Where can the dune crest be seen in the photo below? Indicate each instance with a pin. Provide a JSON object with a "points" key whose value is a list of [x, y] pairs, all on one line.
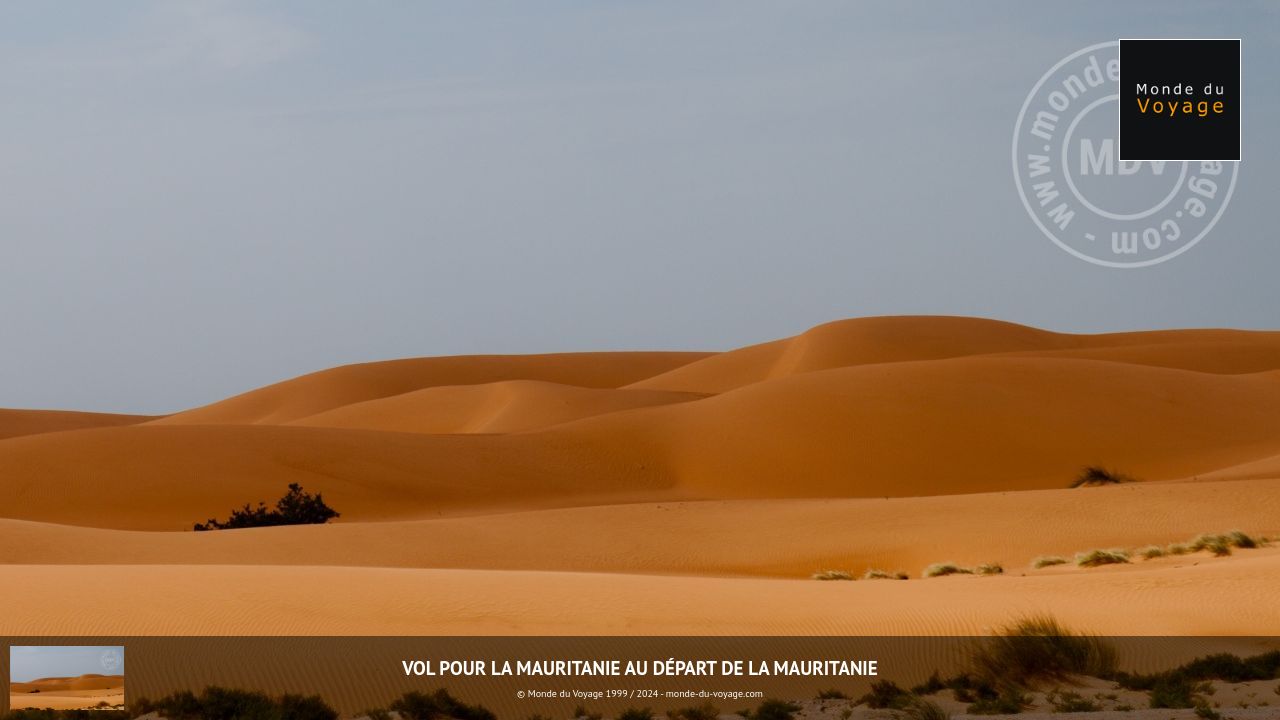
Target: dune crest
{"points": [[673, 492], [501, 407]]}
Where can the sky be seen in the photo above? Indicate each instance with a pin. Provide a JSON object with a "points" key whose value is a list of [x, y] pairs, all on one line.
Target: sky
{"points": [[34, 662], [200, 198]]}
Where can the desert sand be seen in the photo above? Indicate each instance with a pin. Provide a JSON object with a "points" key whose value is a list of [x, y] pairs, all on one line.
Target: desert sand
{"points": [[69, 693], [673, 493]]}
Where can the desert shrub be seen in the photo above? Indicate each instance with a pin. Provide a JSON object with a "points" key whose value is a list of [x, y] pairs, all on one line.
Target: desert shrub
{"points": [[1045, 561], [695, 712], [1095, 475], [1221, 666], [1207, 713], [376, 714], [305, 707], [926, 710], [775, 710], [1178, 549], [1039, 648], [437, 706], [990, 569], [1173, 691], [582, 713], [946, 568], [1219, 545], [295, 508], [876, 574], [934, 684], [1065, 701], [1151, 552], [832, 694], [886, 694], [636, 714], [224, 704], [1096, 558], [1242, 540], [1009, 702], [832, 575]]}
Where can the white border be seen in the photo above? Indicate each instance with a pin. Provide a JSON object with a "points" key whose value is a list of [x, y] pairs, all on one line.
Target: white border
{"points": [[1239, 63]]}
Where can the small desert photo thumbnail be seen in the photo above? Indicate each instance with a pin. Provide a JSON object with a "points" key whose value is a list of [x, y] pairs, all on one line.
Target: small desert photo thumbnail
{"points": [[66, 677]]}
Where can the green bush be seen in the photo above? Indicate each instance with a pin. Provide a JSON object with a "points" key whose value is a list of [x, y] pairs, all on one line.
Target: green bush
{"points": [[876, 574], [1045, 561], [886, 694], [295, 508], [1039, 648], [943, 569], [1173, 691], [1094, 475], [1151, 552], [1097, 558], [1009, 702], [926, 710]]}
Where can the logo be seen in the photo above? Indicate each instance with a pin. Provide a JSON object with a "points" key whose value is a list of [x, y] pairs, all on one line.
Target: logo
{"points": [[111, 660], [1107, 211]]}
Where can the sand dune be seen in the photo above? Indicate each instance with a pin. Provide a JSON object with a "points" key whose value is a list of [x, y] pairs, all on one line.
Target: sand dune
{"points": [[230, 600], [70, 684], [329, 389], [177, 475], [68, 693], [866, 341], [942, 427], [673, 492], [502, 407], [712, 538], [17, 423]]}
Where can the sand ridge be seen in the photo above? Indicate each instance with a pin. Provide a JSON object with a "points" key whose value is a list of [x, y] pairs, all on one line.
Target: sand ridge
{"points": [[68, 693], [599, 492]]}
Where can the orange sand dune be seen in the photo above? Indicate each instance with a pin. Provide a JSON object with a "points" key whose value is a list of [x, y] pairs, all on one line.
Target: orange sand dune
{"points": [[963, 425], [228, 600], [174, 475], [503, 407], [1258, 353], [865, 341], [70, 684], [943, 427], [720, 538], [652, 493], [16, 423], [68, 693], [328, 389]]}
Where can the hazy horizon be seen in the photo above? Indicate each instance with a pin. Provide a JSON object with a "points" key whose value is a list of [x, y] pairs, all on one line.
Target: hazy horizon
{"points": [[36, 662], [207, 197]]}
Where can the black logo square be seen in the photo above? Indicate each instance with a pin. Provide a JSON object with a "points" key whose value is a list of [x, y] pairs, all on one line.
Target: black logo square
{"points": [[1180, 99]]}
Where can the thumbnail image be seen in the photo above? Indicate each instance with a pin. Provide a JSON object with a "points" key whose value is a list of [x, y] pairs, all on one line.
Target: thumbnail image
{"points": [[66, 677]]}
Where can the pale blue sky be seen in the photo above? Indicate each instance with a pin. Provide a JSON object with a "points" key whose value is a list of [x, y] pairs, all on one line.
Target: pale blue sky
{"points": [[203, 197], [33, 662]]}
